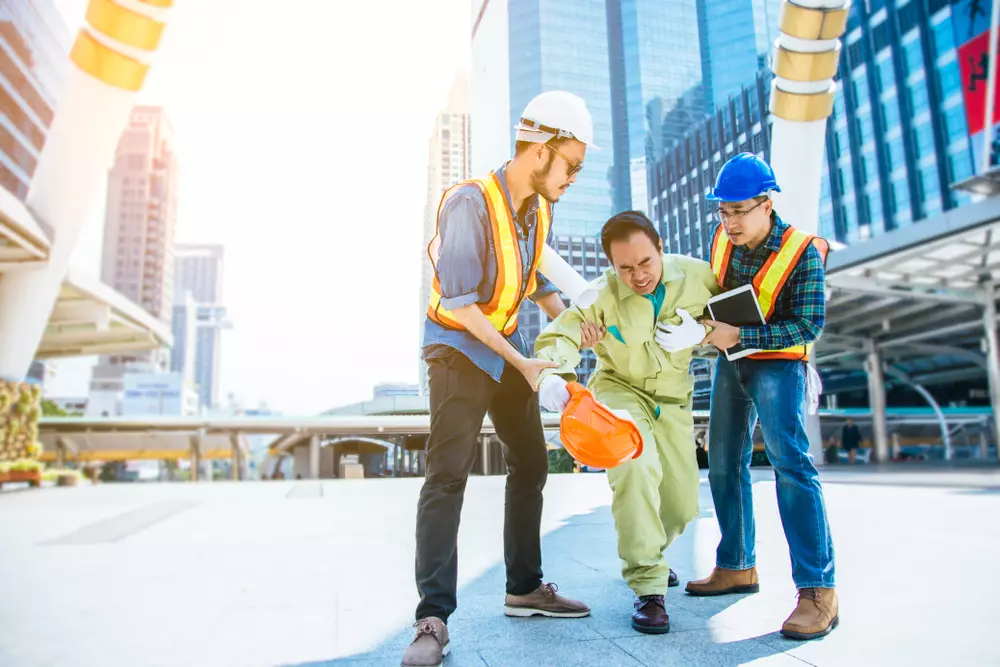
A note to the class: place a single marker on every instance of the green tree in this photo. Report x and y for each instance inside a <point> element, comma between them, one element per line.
<point>560,461</point>
<point>50,409</point>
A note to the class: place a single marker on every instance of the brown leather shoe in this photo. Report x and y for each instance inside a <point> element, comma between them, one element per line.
<point>544,602</point>
<point>724,582</point>
<point>429,646</point>
<point>816,614</point>
<point>650,615</point>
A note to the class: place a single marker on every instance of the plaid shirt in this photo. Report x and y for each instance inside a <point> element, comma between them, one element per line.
<point>800,312</point>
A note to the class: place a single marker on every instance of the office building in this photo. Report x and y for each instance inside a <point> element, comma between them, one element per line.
<point>892,152</point>
<point>34,42</point>
<point>138,258</point>
<point>200,318</point>
<point>521,48</point>
<point>891,155</point>
<point>448,163</point>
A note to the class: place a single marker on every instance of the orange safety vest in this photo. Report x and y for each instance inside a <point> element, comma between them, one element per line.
<point>771,278</point>
<point>509,290</point>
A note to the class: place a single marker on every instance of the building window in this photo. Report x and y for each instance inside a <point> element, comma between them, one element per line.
<point>923,139</point>
<point>913,58</point>
<point>944,37</point>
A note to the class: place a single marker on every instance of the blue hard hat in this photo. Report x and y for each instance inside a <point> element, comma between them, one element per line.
<point>743,177</point>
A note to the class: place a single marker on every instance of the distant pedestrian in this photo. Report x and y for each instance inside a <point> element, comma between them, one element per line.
<point>850,437</point>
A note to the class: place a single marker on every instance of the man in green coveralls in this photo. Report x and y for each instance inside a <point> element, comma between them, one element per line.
<point>648,303</point>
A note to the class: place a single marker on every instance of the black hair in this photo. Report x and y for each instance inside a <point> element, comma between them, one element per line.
<point>622,225</point>
<point>521,146</point>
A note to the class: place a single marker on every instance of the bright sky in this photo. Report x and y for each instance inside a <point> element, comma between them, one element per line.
<point>302,131</point>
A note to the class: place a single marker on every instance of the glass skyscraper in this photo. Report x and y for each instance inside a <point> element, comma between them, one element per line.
<point>654,50</point>
<point>892,153</point>
<point>563,45</point>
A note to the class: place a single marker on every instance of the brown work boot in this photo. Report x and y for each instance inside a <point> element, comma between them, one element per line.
<point>544,602</point>
<point>429,646</point>
<point>650,615</point>
<point>724,582</point>
<point>816,614</point>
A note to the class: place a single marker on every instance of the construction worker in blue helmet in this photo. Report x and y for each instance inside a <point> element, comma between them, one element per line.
<point>763,373</point>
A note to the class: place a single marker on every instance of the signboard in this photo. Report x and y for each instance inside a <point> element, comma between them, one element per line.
<point>971,29</point>
<point>973,60</point>
<point>153,394</point>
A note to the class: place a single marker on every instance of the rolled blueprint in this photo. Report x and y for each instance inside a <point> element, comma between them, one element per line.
<point>565,277</point>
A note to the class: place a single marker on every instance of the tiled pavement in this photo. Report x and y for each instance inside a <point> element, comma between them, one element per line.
<point>320,574</point>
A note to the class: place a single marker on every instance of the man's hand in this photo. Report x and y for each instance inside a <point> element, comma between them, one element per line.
<point>590,334</point>
<point>530,368</point>
<point>723,336</point>
<point>678,337</point>
<point>553,394</point>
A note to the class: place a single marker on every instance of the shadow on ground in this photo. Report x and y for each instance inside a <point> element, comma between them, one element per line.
<point>581,557</point>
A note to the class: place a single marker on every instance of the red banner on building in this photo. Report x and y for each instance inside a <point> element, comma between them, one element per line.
<point>973,59</point>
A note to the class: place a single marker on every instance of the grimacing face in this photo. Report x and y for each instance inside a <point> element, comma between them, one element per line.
<point>638,262</point>
<point>556,167</point>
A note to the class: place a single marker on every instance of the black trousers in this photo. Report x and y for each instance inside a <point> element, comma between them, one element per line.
<point>461,394</point>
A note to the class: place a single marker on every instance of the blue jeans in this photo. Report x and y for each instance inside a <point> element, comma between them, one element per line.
<point>774,391</point>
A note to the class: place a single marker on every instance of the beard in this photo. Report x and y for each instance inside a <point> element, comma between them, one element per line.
<point>539,181</point>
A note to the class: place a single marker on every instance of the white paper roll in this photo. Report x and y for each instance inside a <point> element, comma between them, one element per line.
<point>565,277</point>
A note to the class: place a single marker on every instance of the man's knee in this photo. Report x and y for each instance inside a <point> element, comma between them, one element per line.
<point>638,474</point>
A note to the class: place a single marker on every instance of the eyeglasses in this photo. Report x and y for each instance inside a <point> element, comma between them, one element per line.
<point>718,214</point>
<point>572,168</point>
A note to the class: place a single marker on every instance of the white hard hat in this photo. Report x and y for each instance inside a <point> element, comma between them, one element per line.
<point>556,114</point>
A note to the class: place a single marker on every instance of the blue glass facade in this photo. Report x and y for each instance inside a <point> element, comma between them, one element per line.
<point>892,154</point>
<point>730,57</point>
<point>563,45</point>
<point>34,42</point>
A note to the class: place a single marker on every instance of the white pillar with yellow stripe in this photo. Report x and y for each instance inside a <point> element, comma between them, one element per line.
<point>110,59</point>
<point>806,57</point>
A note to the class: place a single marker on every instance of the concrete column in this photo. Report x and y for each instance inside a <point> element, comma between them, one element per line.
<point>107,66</point>
<point>237,457</point>
<point>60,453</point>
<point>992,358</point>
<point>484,442</point>
<point>195,457</point>
<point>314,457</point>
<point>876,400</point>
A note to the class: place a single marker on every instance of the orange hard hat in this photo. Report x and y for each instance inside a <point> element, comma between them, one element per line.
<point>593,435</point>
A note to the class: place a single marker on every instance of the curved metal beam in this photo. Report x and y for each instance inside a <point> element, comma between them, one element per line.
<point>933,348</point>
<point>919,388</point>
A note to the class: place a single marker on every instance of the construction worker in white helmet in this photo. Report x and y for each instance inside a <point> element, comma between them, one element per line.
<point>485,253</point>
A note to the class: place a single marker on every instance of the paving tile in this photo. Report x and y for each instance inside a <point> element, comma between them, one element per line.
<point>597,652</point>
<point>244,575</point>
<point>706,647</point>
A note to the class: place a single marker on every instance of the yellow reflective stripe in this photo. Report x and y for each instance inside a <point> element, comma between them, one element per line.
<point>506,244</point>
<point>781,264</point>
<point>124,25</point>
<point>718,258</point>
<point>107,65</point>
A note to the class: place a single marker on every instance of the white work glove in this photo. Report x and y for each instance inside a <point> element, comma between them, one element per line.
<point>553,394</point>
<point>677,337</point>
<point>814,387</point>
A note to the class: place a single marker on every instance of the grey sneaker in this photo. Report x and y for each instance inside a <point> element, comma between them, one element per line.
<point>544,601</point>
<point>429,646</point>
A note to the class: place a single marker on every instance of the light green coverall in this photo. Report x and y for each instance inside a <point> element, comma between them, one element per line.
<point>656,495</point>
